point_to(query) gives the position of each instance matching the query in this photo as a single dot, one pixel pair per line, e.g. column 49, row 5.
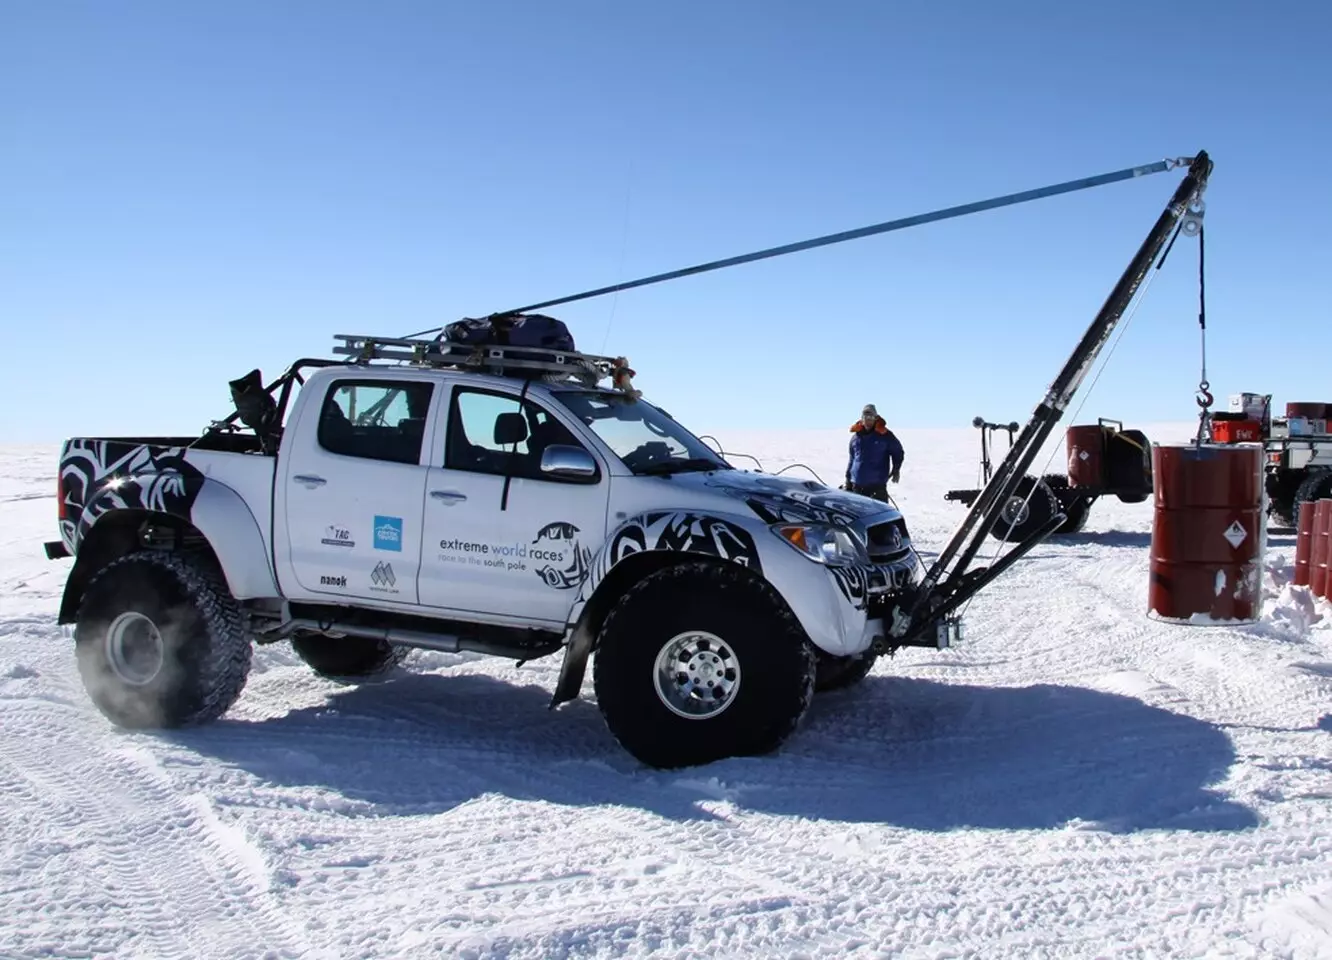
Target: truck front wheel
column 160, row 642
column 699, row 662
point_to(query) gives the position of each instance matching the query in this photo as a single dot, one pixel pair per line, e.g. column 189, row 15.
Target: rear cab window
column 375, row 419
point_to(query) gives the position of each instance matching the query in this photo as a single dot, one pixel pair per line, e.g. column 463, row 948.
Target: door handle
column 450, row 497
column 309, row 480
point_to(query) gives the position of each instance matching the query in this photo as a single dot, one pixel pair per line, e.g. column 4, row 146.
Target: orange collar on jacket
column 879, row 426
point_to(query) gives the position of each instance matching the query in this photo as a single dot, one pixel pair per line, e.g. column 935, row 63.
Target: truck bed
column 157, row 473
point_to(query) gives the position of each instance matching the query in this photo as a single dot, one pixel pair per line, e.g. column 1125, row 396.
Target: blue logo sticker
column 388, row 533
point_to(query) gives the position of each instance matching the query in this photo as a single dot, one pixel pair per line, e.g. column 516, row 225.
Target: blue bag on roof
column 512, row 329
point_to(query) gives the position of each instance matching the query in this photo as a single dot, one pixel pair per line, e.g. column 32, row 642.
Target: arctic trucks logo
column 382, row 578
column 555, row 554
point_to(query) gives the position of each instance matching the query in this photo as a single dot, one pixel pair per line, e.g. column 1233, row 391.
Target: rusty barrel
column 1304, row 535
column 1086, row 455
column 1208, row 533
column 1320, row 552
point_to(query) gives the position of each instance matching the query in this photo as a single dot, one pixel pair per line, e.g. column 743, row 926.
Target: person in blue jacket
column 875, row 456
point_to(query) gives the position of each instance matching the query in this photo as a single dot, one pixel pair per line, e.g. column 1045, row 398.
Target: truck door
column 350, row 495
column 502, row 538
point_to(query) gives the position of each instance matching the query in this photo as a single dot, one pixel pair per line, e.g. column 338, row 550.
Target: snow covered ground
column 1076, row 781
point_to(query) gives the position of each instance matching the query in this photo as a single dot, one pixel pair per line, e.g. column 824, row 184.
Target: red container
column 1314, row 411
column 1304, row 544
column 1237, row 431
column 1086, row 455
column 1320, row 553
column 1208, row 533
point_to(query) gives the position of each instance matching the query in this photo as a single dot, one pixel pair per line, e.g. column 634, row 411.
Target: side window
column 499, row 434
column 375, row 419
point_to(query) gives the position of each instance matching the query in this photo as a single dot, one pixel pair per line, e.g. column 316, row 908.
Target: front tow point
column 948, row 633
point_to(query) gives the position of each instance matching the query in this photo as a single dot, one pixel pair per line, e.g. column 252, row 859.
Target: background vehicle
column 1104, row 459
column 1298, row 447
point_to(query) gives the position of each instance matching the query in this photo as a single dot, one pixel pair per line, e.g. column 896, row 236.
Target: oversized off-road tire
column 702, row 661
column 348, row 659
column 160, row 641
column 837, row 673
column 1023, row 515
column 1282, row 487
column 1312, row 488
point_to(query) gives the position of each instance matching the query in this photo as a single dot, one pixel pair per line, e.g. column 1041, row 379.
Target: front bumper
column 859, row 599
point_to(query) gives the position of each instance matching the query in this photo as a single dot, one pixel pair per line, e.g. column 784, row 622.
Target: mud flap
column 575, row 665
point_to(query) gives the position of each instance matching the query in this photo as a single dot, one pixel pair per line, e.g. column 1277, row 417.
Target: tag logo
column 335, row 536
column 388, row 533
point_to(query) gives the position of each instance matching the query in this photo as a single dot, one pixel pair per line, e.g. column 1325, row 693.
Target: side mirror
column 562, row 460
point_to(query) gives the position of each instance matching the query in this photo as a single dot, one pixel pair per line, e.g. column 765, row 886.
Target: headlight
column 822, row 542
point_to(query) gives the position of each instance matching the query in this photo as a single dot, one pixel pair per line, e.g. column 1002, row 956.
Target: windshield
column 643, row 437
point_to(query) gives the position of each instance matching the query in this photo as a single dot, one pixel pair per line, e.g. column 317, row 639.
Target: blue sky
column 193, row 190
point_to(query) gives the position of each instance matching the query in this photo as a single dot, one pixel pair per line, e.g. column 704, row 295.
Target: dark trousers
column 876, row 491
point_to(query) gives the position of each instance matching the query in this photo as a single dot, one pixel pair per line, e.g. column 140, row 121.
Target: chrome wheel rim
column 134, row 649
column 696, row 675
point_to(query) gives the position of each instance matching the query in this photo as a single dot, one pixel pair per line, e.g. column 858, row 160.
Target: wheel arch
column 214, row 522
column 615, row 584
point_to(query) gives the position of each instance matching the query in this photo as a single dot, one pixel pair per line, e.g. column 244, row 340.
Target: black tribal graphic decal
column 675, row 530
column 97, row 476
column 564, row 534
column 782, row 501
column 856, row 582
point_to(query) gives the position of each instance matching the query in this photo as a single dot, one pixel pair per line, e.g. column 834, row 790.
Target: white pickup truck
column 489, row 501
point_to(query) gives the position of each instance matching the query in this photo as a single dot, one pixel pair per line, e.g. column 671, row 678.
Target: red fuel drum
column 1320, row 559
column 1208, row 533
column 1304, row 544
column 1086, row 455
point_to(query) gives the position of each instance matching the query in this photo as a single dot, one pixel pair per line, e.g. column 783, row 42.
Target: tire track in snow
column 478, row 749
column 178, row 890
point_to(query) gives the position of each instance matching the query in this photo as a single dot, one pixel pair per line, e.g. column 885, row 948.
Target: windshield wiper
column 668, row 467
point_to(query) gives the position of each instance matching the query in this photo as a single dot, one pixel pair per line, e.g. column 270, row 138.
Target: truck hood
column 776, row 499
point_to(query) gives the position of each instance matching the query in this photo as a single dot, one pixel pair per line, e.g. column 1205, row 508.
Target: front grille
column 889, row 541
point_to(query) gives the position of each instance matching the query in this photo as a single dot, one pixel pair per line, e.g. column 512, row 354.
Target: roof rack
column 503, row 360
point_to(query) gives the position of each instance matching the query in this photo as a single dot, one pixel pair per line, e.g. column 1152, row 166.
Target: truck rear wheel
column 160, row 642
column 348, row 659
column 699, row 662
